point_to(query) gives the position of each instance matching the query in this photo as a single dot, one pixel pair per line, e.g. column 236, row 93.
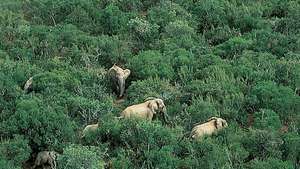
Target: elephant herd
column 151, row 107
column 145, row 110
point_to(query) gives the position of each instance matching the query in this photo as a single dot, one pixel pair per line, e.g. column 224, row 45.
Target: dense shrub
column 15, row 151
column 154, row 65
column 77, row 157
column 267, row 119
column 41, row 125
column 136, row 136
column 234, row 59
column 277, row 98
column 270, row 163
column 233, row 47
column 153, row 87
column 262, row 144
column 143, row 33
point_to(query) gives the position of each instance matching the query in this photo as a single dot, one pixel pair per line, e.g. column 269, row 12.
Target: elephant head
column 219, row 122
column 157, row 105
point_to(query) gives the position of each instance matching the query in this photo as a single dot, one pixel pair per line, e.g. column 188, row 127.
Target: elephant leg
column 150, row 116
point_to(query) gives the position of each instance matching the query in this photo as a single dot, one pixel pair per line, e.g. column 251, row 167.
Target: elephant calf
column 28, row 85
column 89, row 128
column 118, row 76
column 212, row 125
column 45, row 158
column 145, row 110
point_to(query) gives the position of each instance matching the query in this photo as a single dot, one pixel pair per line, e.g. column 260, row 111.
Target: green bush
column 270, row 163
column 143, row 33
column 235, row 59
column 262, row 144
column 15, row 151
column 40, row 124
column 198, row 112
column 291, row 150
column 273, row 42
column 154, row 65
column 78, row 157
column 54, row 81
column 277, row 98
column 178, row 34
column 153, row 87
column 220, row 34
column 167, row 11
column 232, row 48
column 267, row 119
column 87, row 111
column 112, row 20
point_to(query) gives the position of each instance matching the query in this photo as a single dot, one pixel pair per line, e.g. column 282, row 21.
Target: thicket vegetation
column 236, row 59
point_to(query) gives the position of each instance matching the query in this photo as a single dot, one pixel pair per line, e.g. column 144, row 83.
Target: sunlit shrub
column 154, row 65
column 78, row 157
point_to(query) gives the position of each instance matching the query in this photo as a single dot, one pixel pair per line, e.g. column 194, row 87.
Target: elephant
column 118, row 77
column 28, row 85
column 46, row 157
column 89, row 128
column 212, row 125
column 145, row 110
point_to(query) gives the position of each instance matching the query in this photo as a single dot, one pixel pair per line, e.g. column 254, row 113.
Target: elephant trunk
column 121, row 83
column 164, row 110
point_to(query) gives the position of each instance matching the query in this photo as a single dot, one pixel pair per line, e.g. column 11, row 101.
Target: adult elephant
column 145, row 110
column 213, row 125
column 118, row 77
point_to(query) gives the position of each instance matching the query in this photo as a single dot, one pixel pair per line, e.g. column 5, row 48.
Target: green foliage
column 262, row 144
column 291, row 150
column 253, row 67
column 152, row 87
column 178, row 34
column 143, row 33
column 273, row 42
column 220, row 34
column 15, row 151
column 154, row 65
column 209, row 14
column 199, row 111
column 53, row 82
column 144, row 141
column 86, row 110
column 267, row 119
column 77, row 157
column 278, row 98
column 235, row 59
column 112, row 20
column 233, row 47
column 270, row 163
column 166, row 12
column 41, row 125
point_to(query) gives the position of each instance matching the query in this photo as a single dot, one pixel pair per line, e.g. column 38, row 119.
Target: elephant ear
column 126, row 73
column 153, row 106
column 112, row 71
column 224, row 123
column 218, row 123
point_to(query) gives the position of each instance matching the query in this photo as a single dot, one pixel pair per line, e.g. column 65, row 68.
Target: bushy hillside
column 234, row 59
